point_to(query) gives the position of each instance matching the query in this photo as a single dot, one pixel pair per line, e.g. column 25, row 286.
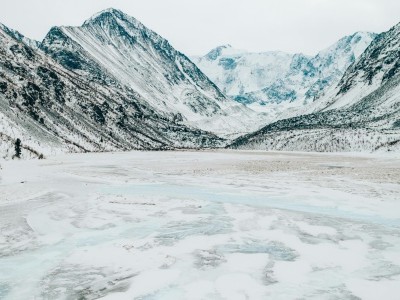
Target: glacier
column 277, row 83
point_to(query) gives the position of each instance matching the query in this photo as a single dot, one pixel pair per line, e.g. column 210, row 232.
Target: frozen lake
column 201, row 225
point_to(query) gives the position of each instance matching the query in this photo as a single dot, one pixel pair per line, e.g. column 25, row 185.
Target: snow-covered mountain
column 275, row 82
column 113, row 84
column 362, row 112
column 115, row 49
column 110, row 84
column 376, row 66
column 53, row 109
column 238, row 72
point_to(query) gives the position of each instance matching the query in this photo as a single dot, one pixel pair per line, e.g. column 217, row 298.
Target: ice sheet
column 200, row 225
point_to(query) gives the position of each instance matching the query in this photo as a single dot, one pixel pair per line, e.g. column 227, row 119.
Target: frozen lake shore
column 201, row 225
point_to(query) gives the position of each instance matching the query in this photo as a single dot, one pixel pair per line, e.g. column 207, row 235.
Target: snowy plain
column 201, row 225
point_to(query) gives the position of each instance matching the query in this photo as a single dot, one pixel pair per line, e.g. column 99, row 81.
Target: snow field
column 200, row 225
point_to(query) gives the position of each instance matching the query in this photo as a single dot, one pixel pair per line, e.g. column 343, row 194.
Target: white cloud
column 196, row 26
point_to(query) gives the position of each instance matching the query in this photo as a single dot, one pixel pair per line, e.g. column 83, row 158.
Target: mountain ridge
column 121, row 49
column 113, row 84
column 361, row 113
column 286, row 81
column 53, row 109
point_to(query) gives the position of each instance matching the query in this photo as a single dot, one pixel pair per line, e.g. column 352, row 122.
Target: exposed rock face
column 116, row 50
column 55, row 109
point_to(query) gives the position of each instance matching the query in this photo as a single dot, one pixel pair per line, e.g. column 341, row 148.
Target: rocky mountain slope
column 377, row 65
column 275, row 82
column 114, row 49
column 361, row 113
column 112, row 84
column 53, row 109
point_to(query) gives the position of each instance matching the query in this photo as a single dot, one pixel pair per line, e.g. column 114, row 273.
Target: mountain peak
column 111, row 10
column 362, row 36
column 355, row 43
column 224, row 46
column 111, row 13
column 216, row 52
column 364, row 33
column 223, row 50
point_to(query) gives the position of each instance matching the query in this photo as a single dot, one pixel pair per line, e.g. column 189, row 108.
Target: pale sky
column 196, row 26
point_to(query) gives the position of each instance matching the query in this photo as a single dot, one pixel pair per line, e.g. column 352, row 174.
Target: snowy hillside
column 114, row 49
column 55, row 110
column 113, row 84
column 275, row 82
column 361, row 113
column 376, row 66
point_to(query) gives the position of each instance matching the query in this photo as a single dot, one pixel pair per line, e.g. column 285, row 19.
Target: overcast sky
column 196, row 26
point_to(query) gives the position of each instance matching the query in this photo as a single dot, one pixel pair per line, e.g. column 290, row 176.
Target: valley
column 112, row 84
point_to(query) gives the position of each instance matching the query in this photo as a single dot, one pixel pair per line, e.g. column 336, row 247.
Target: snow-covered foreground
column 201, row 225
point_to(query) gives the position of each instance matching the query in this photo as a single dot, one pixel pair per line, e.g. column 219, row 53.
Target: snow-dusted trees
column 18, row 147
